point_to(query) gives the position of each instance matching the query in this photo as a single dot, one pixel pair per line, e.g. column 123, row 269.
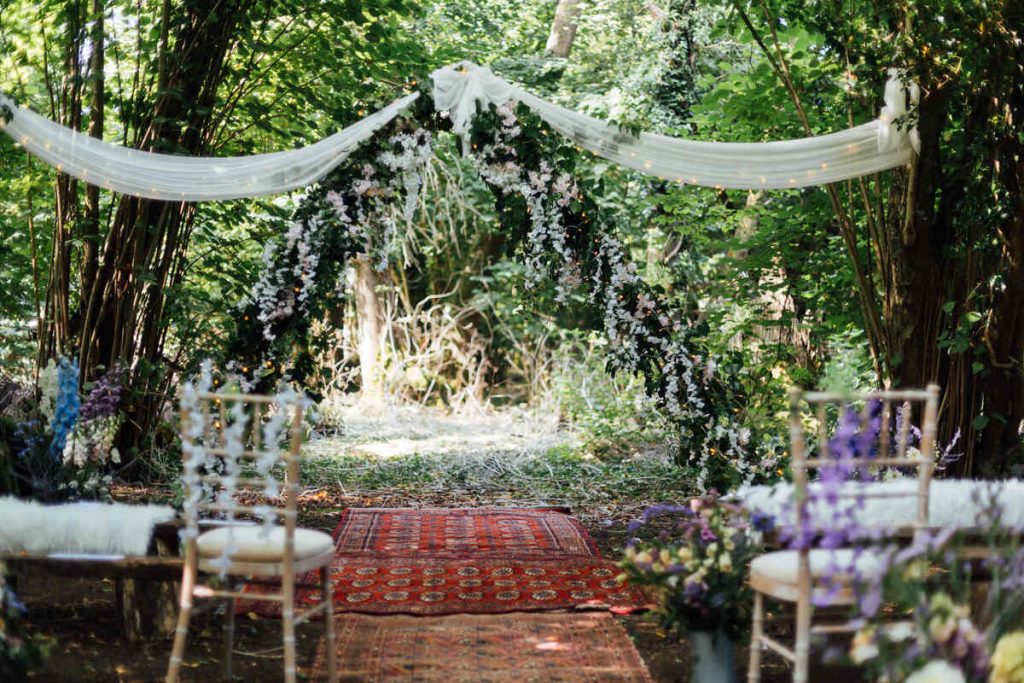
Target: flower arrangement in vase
column 695, row 561
column 937, row 626
column 68, row 453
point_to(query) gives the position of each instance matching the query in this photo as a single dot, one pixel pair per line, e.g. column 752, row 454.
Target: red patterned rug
column 552, row 647
column 462, row 533
column 476, row 561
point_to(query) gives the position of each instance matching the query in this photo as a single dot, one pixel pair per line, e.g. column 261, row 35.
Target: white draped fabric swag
column 866, row 149
column 459, row 91
column 194, row 179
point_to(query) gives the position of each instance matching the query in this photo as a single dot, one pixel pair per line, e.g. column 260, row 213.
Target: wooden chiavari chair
column 796, row 576
column 241, row 552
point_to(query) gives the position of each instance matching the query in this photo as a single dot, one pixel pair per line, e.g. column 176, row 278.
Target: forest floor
column 391, row 458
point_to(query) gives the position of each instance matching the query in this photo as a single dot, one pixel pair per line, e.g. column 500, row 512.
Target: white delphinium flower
column 48, row 391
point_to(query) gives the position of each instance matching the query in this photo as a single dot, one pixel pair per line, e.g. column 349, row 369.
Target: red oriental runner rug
column 470, row 561
column 547, row 533
column 541, row 647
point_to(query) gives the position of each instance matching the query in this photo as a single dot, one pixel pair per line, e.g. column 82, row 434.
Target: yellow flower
column 684, row 554
column 1008, row 659
column 665, row 556
column 863, row 648
column 725, row 562
column 941, row 628
column 914, row 571
column 643, row 557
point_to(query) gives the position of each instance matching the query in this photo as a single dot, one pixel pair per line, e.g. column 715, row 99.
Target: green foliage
column 767, row 280
column 612, row 413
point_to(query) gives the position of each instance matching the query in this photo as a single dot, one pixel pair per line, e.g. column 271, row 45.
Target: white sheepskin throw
column 78, row 528
column 951, row 502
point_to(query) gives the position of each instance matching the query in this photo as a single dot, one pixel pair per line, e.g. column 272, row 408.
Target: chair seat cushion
column 256, row 544
column 776, row 573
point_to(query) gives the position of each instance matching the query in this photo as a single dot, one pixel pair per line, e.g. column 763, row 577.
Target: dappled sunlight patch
column 412, row 456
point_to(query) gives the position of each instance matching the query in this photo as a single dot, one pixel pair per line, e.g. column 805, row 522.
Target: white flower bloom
column 937, row 672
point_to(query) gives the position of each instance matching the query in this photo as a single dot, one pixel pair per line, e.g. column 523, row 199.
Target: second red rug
column 462, row 533
column 476, row 561
column 521, row 648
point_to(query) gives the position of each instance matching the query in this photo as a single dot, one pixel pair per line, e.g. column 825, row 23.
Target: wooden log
column 149, row 608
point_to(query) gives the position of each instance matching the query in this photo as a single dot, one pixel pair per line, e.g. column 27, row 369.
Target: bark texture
column 563, row 28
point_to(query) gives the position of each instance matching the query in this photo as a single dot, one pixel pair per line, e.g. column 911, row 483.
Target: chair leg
column 802, row 646
column 331, row 652
column 288, row 627
column 181, row 629
column 756, row 630
column 229, row 636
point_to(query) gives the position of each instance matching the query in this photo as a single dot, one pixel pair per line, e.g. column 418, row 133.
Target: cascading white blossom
column 364, row 211
column 683, row 389
column 536, row 187
column 233, row 434
column 198, row 461
column 195, row 457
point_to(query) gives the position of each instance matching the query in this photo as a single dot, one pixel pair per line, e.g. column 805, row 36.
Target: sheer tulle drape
column 179, row 178
column 875, row 146
column 860, row 151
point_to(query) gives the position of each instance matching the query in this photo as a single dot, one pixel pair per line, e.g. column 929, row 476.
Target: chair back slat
column 231, row 470
column 830, row 409
column 884, row 435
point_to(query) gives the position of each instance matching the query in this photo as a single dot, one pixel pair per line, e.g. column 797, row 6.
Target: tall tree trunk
column 913, row 307
column 983, row 384
column 370, row 324
column 563, row 28
column 55, row 337
column 91, row 222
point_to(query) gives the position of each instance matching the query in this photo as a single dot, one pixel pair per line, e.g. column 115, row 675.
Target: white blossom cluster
column 368, row 212
column 416, row 150
column 92, row 441
column 546, row 194
column 629, row 323
column 274, row 294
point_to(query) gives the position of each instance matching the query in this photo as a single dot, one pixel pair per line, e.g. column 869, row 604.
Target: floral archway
column 561, row 235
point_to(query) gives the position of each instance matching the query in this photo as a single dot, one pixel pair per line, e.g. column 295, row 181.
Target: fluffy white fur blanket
column 78, row 528
column 951, row 502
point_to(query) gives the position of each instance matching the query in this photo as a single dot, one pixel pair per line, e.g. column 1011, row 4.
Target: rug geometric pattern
column 443, row 561
column 586, row 647
column 462, row 533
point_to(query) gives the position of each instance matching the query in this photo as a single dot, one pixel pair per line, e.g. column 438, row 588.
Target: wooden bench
column 144, row 586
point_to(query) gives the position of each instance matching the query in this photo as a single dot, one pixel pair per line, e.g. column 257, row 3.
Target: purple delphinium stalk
column 831, row 520
column 104, row 398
